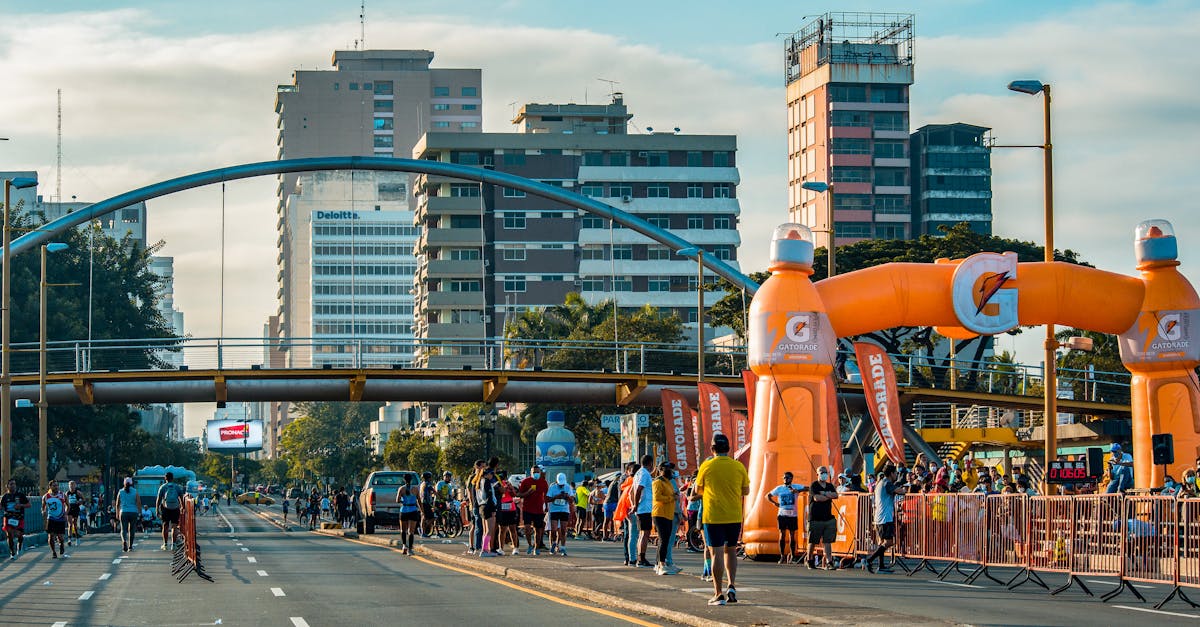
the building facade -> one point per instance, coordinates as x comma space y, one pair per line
952, 178
487, 252
848, 77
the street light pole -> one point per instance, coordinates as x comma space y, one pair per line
43, 404
825, 188
6, 401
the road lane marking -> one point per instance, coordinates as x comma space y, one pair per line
86, 595
117, 561
1146, 609
61, 623
227, 523
536, 593
296, 621
262, 573
1101, 581
278, 592
105, 576
951, 583
252, 560
245, 549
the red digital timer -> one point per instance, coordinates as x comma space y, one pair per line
1068, 472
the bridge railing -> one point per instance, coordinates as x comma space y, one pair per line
912, 370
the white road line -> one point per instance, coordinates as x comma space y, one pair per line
1101, 581
86, 595
227, 523
245, 549
117, 561
1146, 609
105, 576
278, 592
262, 573
951, 583
252, 560
296, 622
63, 623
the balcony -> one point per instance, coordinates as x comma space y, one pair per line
450, 237
629, 236
444, 268
453, 299
454, 330
646, 174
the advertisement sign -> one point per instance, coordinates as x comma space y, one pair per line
612, 422
715, 415
879, 389
792, 337
701, 447
983, 293
235, 435
680, 438
741, 431
551, 454
1162, 336
629, 438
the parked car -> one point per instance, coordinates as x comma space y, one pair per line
377, 502
255, 498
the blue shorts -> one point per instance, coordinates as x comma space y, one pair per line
609, 509
722, 535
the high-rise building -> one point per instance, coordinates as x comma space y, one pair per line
952, 178
489, 252
164, 267
847, 77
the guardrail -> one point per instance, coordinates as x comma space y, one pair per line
517, 354
186, 559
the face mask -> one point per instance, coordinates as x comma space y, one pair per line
823, 477
537, 475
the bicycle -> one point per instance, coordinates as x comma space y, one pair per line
446, 523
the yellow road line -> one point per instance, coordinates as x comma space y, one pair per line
536, 593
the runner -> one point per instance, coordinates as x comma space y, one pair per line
822, 526
488, 502
507, 518
582, 497
287, 505
596, 500
561, 497
14, 505
533, 508
54, 510
784, 497
723, 483
314, 509
75, 502
128, 506
168, 502
410, 514
885, 515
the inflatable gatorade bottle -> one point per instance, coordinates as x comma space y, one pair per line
1162, 350
792, 350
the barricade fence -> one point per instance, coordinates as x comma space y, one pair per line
186, 559
1143, 539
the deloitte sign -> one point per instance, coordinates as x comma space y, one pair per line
336, 215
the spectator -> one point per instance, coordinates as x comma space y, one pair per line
473, 504
583, 497
693, 514
886, 491
856, 484
612, 492
722, 483
488, 502
1187, 489
596, 502
784, 497
1170, 488
624, 513
665, 497
643, 503
822, 527
985, 485
1120, 470
843, 485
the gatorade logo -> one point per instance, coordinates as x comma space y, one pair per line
1169, 328
984, 299
799, 328
679, 440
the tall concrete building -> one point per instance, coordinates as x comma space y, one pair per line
164, 267
952, 178
488, 252
848, 76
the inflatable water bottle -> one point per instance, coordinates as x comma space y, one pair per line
556, 447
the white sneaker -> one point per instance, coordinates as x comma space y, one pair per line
659, 570
515, 551
163, 547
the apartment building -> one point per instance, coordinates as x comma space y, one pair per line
952, 177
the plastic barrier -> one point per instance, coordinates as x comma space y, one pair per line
1096, 543
1187, 570
187, 553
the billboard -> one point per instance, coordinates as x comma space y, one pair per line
235, 436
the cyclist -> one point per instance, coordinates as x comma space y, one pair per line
14, 504
425, 493
54, 510
168, 503
75, 502
445, 486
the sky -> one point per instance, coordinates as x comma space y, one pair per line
154, 90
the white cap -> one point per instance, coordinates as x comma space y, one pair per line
561, 478
128, 480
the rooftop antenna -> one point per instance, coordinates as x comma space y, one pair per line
513, 107
58, 172
362, 23
611, 85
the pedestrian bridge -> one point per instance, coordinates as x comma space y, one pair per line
200, 370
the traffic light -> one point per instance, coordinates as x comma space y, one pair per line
1163, 446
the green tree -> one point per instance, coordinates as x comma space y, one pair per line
399, 445
424, 457
330, 440
1095, 375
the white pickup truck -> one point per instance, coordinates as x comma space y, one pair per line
378, 498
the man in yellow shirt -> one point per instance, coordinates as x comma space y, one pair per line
722, 482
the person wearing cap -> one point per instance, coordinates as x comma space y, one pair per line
13, 505
843, 483
1120, 470
822, 526
561, 497
886, 491
722, 483
128, 506
784, 497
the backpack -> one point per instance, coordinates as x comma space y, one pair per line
170, 497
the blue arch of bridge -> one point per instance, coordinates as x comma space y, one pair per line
47, 232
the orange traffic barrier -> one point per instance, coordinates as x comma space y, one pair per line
1150, 548
186, 559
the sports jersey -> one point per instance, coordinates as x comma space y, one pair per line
56, 506
787, 500
559, 497
722, 481
9, 503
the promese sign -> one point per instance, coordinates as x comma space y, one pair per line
235, 435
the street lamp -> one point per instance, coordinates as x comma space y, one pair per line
698, 253
1051, 345
821, 187
43, 419
5, 339
487, 429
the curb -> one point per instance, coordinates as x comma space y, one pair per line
517, 575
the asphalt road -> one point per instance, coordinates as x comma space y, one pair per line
263, 577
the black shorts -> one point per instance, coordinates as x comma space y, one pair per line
822, 531
598, 512
886, 531
427, 510
506, 518
73, 510
722, 534
645, 522
169, 515
788, 523
580, 512
410, 516
560, 516
487, 511
537, 520
58, 527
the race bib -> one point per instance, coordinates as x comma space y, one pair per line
13, 522
508, 507
787, 511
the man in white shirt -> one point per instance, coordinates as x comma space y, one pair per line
643, 502
784, 497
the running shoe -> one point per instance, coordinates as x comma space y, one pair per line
731, 595
659, 570
644, 564
717, 600
163, 547
562, 552
529, 551
515, 550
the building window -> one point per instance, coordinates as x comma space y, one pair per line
353, 86
441, 124
464, 190
514, 221
722, 190
464, 222
464, 254
383, 124
592, 190
437, 106
593, 158
657, 158
695, 159
619, 158
514, 284
724, 253
441, 91
658, 253
891, 177
512, 254
130, 216
337, 86
888, 93
851, 146
851, 175
620, 191
622, 252
849, 118
513, 193
592, 222
895, 205
622, 284
662, 222
465, 285
658, 190
885, 149
464, 158
695, 190
383, 141
695, 222
592, 284
514, 158
383, 88
469, 125
847, 93
889, 231
470, 107
721, 224
658, 284
890, 121
552, 277
470, 92
852, 229
720, 159
384, 105
593, 253
852, 201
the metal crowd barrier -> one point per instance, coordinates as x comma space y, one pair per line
186, 559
